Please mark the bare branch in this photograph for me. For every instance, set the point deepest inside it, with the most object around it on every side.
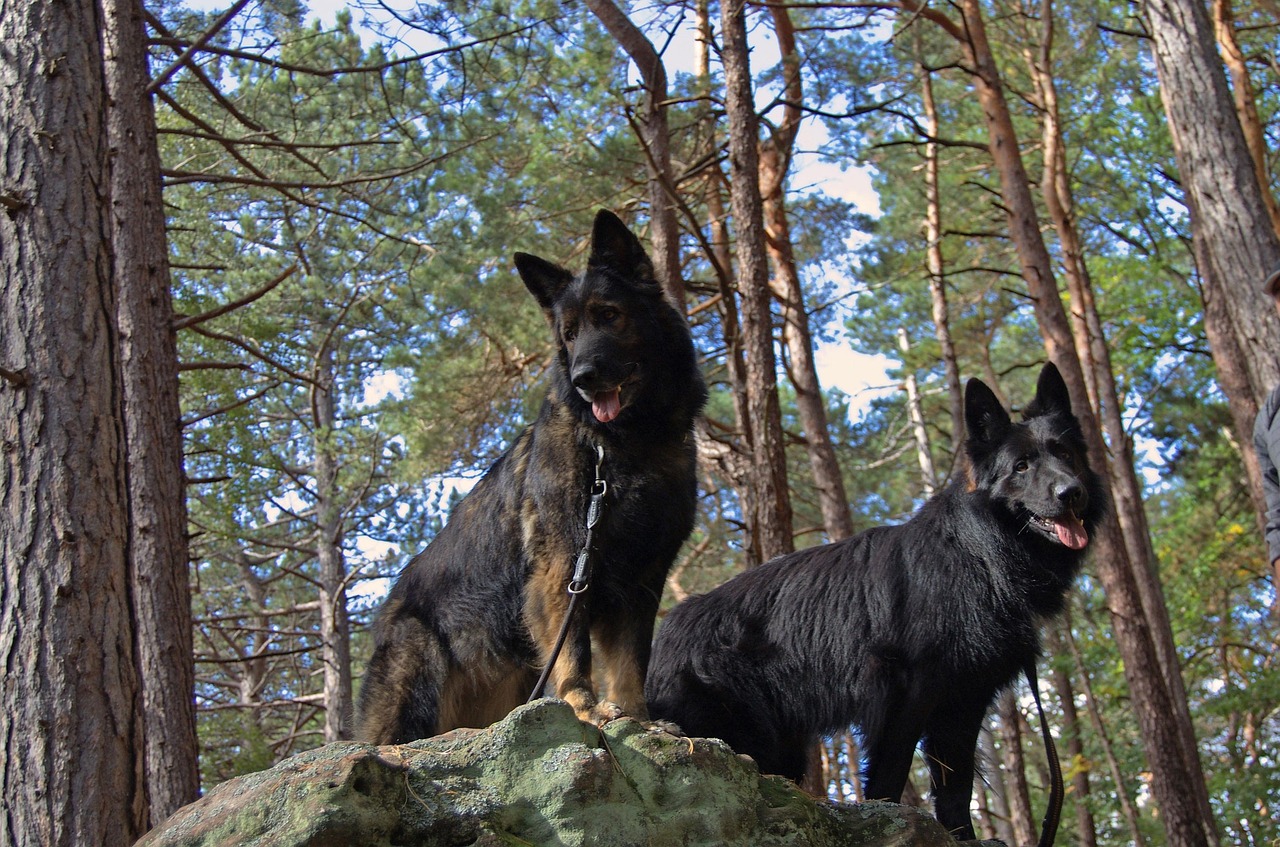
(192, 320)
(200, 46)
(185, 58)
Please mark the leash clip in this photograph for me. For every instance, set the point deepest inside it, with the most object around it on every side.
(581, 567)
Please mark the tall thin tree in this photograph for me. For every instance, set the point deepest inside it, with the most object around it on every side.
(149, 368)
(797, 336)
(772, 512)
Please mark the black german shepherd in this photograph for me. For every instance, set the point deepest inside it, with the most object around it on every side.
(473, 618)
(908, 631)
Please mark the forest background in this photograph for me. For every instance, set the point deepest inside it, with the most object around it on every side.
(252, 437)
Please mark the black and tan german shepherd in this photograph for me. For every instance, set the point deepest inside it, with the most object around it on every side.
(908, 631)
(472, 618)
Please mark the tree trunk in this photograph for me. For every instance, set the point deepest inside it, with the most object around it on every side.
(71, 767)
(335, 636)
(797, 340)
(253, 670)
(797, 337)
(1227, 211)
(730, 457)
(1233, 377)
(1224, 30)
(1104, 739)
(1234, 234)
(656, 138)
(998, 825)
(928, 476)
(773, 506)
(1104, 398)
(1086, 830)
(1015, 770)
(149, 366)
(1177, 782)
(937, 282)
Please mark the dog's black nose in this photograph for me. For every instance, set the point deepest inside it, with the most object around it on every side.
(586, 377)
(1070, 494)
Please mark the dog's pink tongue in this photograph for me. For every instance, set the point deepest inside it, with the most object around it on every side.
(1071, 532)
(607, 404)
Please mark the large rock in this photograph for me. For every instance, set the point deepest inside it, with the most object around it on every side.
(539, 777)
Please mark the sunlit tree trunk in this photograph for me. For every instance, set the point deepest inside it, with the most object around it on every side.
(1095, 357)
(1233, 377)
(722, 453)
(656, 137)
(1235, 237)
(928, 475)
(772, 512)
(72, 767)
(797, 337)
(998, 823)
(149, 368)
(936, 267)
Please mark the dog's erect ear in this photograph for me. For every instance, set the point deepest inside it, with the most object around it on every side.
(984, 417)
(543, 279)
(616, 247)
(1051, 394)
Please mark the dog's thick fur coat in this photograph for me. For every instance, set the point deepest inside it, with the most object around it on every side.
(908, 631)
(472, 619)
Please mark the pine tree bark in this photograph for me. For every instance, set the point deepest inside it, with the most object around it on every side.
(1086, 830)
(1015, 770)
(1233, 377)
(656, 137)
(936, 266)
(924, 457)
(772, 513)
(71, 766)
(149, 366)
(999, 822)
(1229, 219)
(797, 336)
(1233, 230)
(732, 462)
(1103, 737)
(1224, 30)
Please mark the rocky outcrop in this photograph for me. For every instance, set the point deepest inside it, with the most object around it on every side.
(539, 777)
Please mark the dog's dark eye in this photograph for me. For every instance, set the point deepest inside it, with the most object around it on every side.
(570, 333)
(1021, 466)
(607, 316)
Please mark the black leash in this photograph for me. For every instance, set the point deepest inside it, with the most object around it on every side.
(1057, 791)
(581, 573)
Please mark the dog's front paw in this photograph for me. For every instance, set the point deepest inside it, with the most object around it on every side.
(581, 700)
(603, 712)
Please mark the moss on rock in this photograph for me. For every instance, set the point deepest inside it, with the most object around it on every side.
(538, 777)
